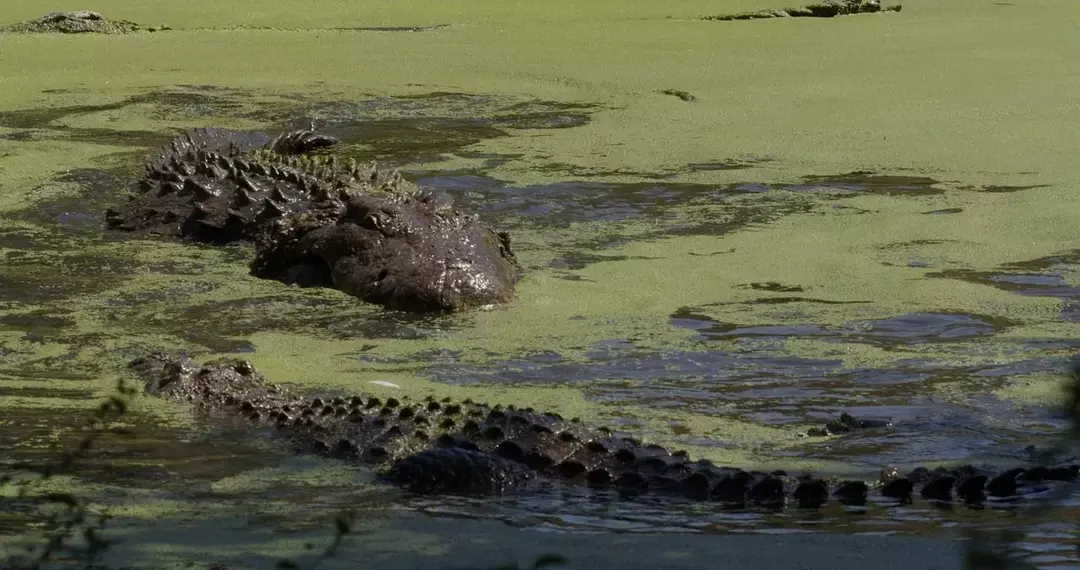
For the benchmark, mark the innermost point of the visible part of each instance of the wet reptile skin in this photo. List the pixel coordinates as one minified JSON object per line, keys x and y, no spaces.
{"x":464,"y":447}
{"x":318,"y":221}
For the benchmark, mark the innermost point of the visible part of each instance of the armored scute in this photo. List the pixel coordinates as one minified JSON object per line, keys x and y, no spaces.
{"x":465,"y":447}
{"x":319,"y":221}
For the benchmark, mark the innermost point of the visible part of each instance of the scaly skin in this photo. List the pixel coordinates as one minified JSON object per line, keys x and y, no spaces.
{"x":317,"y":221}
{"x":828,"y":9}
{"x":446,"y":447}
{"x":78,"y":22}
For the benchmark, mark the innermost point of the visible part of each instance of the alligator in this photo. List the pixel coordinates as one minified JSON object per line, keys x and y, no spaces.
{"x":441,"y":446}
{"x":319,"y":221}
{"x":77,"y":22}
{"x":828,"y":9}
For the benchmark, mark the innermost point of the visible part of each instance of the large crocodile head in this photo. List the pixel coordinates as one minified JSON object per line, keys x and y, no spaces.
{"x":321,"y":222}
{"x":413,"y":251}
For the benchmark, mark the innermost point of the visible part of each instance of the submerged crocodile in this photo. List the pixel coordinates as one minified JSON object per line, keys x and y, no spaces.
{"x":470,"y":448}
{"x":77,"y":22}
{"x":318,"y":221}
{"x":828,"y":9}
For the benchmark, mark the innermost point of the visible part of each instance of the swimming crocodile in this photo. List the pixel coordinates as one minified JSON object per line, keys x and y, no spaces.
{"x":466,"y":447}
{"x":828,"y":9}
{"x":77,"y":22}
{"x":320,"y":221}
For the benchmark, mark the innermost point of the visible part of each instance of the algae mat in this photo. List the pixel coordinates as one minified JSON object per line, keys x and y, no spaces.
{"x":872,"y":214}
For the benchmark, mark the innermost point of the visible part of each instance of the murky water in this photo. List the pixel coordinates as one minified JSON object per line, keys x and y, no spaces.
{"x":77,"y":304}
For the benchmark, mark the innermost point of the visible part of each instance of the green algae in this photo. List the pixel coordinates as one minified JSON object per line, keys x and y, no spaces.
{"x":871,"y":95}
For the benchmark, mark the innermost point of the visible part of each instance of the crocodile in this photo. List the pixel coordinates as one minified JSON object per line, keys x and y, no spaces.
{"x":441,"y":446}
{"x":316,"y":220}
{"x":828,"y":9}
{"x":77,"y":22}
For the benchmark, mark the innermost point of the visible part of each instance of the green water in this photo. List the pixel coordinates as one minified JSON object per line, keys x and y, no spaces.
{"x":706,"y":273}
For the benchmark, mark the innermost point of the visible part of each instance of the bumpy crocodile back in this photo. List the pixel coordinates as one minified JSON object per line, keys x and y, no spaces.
{"x":444,"y":446}
{"x":219,"y":186}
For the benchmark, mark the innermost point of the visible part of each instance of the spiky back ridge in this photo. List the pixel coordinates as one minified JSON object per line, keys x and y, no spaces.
{"x":444,"y":446}
{"x":218,"y":186}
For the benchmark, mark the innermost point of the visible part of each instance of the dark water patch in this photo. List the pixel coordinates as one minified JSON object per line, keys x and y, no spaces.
{"x":563,"y":204}
{"x":397,"y":141}
{"x":37,"y":321}
{"x":389,"y":29}
{"x":81,"y":212}
{"x":684,"y":95}
{"x":423,"y":128}
{"x":172,"y":103}
{"x":1002,"y":189}
{"x":168,"y":294}
{"x":1037,"y":285}
{"x":773,"y":287}
{"x":575,"y":260}
{"x":727,"y":164}
{"x":872,"y":183}
{"x":903,"y":330}
{"x":18,"y":136}
{"x":223,"y":325}
{"x":36,"y":280}
{"x":577,"y":171}
{"x":676,"y":209}
{"x":45,"y":391}
{"x":786,"y":300}
{"x":746,"y":384}
{"x":40,"y":118}
{"x":138,"y":139}
{"x":1040,"y":277}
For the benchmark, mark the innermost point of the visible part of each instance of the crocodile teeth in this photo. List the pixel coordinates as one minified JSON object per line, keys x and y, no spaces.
{"x":272,"y":210}
{"x":168,"y":188}
{"x":201,"y":191}
{"x":245,"y":183}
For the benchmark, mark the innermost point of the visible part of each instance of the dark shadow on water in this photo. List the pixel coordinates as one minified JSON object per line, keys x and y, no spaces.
{"x":904,"y":330}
